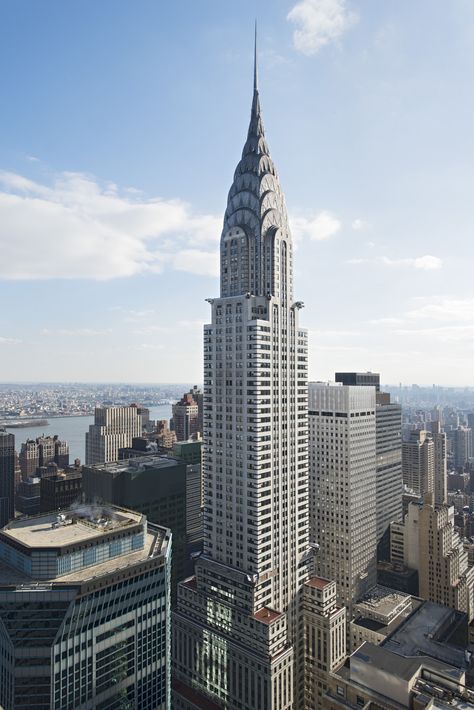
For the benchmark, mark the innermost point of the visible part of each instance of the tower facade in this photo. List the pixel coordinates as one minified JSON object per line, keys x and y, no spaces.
{"x":113,"y":429}
{"x":238,"y":630}
{"x":186,"y":417}
{"x":342,"y":456}
{"x":440,"y":463}
{"x":7,"y":476}
{"x":418,"y":463}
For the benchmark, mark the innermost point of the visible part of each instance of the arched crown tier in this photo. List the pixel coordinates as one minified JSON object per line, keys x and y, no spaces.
{"x":256,"y":249}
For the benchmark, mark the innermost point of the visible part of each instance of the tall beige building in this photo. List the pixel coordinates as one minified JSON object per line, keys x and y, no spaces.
{"x":428,"y":542}
{"x":418,"y":462}
{"x":239,"y":626}
{"x":342,"y":466}
{"x":113,"y":429}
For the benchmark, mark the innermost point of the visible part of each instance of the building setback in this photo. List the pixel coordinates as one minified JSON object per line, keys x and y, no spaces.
{"x":427,"y":542}
{"x":113,"y":429}
{"x":84,"y":612}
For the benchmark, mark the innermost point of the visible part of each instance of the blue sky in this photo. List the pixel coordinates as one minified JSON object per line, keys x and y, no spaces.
{"x":121,"y":124}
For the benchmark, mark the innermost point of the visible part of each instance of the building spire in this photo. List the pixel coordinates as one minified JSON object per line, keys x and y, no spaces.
{"x":255,"y":65}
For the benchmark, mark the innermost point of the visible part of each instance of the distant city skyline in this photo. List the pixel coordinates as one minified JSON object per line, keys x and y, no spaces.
{"x":118,"y":144}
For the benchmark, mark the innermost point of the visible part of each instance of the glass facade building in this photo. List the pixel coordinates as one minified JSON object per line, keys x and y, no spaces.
{"x":85,"y":612}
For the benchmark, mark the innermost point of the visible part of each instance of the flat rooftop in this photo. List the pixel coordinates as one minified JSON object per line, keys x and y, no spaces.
{"x":155,"y":544}
{"x":318,"y":582}
{"x":44,"y":531}
{"x":137,"y":463}
{"x":427,"y":632}
{"x":267,"y":615}
{"x":383,"y":603}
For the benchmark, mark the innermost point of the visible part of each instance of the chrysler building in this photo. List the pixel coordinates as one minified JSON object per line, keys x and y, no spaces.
{"x":238,"y":625}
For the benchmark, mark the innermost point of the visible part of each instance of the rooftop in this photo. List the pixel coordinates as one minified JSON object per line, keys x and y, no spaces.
{"x":388,"y":662}
{"x":267,"y":615}
{"x":429,"y":632}
{"x":155,"y":544}
{"x":318,"y":582}
{"x":52,"y":530}
{"x":383,"y":604}
{"x":136,"y":464}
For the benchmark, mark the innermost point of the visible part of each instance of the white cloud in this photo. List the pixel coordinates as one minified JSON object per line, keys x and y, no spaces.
{"x":424,"y":263}
{"x":446,"y":334}
{"x":322,"y":226}
{"x":9,"y":341}
{"x":358,"y":224}
{"x":76,"y":228}
{"x":76,"y":332}
{"x":319,"y":22}
{"x":444,"y":309}
{"x":150,"y":329}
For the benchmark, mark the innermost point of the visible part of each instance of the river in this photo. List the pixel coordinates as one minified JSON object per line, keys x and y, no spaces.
{"x":73,"y":430}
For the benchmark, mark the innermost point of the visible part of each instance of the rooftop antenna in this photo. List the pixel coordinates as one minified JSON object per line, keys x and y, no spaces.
{"x":255,"y":68}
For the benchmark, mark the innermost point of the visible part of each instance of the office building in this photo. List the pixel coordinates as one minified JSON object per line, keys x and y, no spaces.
{"x":342,"y":467}
{"x":188,"y":451}
{"x":28,"y":496}
{"x":60,"y":489}
{"x":462,"y":446}
{"x":84,"y":612}
{"x":358,"y":379}
{"x":29,"y":458}
{"x":325,"y":637}
{"x":428,"y":542}
{"x":198,"y":396}
{"x":423,"y":663}
{"x":418,"y":462}
{"x":165,"y":437}
{"x":389,"y":480}
{"x":239,"y":627}
{"x":379,"y":614}
{"x":389,"y":483}
{"x":185,"y":417}
{"x":113,"y":429}
{"x":7,"y":476}
{"x":40,"y":452}
{"x":440,"y":464}
{"x":155,"y":486}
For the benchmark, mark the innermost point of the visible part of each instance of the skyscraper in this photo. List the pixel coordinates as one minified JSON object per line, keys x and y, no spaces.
{"x":389,"y":480}
{"x":238,"y":628}
{"x":113,"y":429}
{"x":428,"y":542}
{"x":342,"y":484}
{"x":7,"y":476}
{"x":418,"y":462}
{"x":185,"y":417}
{"x":440,"y":463}
{"x":389,"y":483}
